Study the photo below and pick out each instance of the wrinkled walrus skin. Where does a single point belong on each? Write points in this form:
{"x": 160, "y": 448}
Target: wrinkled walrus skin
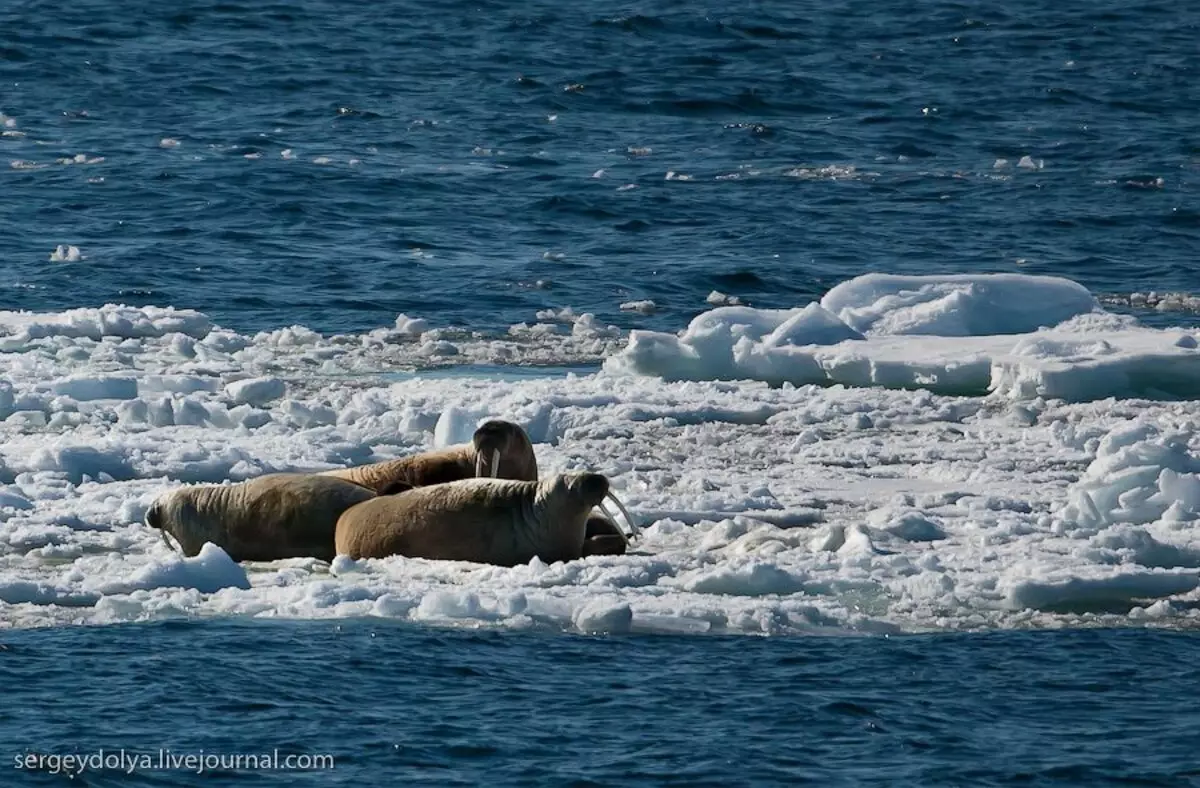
{"x": 487, "y": 521}
{"x": 280, "y": 515}
{"x": 517, "y": 461}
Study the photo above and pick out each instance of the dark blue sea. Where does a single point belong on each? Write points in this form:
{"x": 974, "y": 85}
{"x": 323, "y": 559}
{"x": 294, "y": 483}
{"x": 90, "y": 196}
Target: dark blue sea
{"x": 398, "y": 705}
{"x": 334, "y": 164}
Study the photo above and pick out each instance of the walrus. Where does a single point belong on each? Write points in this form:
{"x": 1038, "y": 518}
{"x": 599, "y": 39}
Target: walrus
{"x": 487, "y": 521}
{"x": 499, "y": 449}
{"x": 280, "y": 515}
{"x": 602, "y": 536}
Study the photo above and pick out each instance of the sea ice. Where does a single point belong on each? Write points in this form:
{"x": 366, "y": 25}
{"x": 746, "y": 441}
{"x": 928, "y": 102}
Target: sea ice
{"x": 975, "y": 453}
{"x": 1020, "y": 336}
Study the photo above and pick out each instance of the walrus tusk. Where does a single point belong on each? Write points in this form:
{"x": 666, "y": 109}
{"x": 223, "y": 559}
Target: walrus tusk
{"x": 633, "y": 529}
{"x": 495, "y": 464}
{"x": 167, "y": 542}
{"x": 612, "y": 519}
{"x": 628, "y": 517}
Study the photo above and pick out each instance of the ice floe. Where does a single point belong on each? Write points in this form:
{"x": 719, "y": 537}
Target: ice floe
{"x": 1020, "y": 336}
{"x": 907, "y": 454}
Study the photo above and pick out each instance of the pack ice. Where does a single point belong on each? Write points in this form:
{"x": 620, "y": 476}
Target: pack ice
{"x": 907, "y": 454}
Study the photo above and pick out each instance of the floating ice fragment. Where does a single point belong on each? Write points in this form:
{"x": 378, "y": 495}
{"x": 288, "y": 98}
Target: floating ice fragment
{"x": 65, "y": 253}
{"x": 80, "y": 158}
{"x": 411, "y": 326}
{"x": 717, "y": 298}
{"x": 598, "y": 616}
{"x": 564, "y": 315}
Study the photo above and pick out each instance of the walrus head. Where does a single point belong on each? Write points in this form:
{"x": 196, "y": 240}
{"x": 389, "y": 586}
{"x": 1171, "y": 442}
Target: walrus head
{"x": 590, "y": 487}
{"x": 185, "y": 515}
{"x": 586, "y": 489}
{"x": 573, "y": 494}
{"x": 594, "y": 487}
{"x": 503, "y": 450}
{"x": 154, "y": 515}
{"x": 556, "y": 518}
{"x": 155, "y": 519}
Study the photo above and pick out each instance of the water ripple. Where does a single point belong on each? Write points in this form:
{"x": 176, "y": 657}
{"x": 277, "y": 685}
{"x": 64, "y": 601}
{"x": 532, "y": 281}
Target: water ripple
{"x": 1072, "y": 707}
{"x": 232, "y": 143}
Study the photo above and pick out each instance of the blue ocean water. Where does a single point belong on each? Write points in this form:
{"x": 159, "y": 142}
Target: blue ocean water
{"x": 333, "y": 164}
{"x": 399, "y": 705}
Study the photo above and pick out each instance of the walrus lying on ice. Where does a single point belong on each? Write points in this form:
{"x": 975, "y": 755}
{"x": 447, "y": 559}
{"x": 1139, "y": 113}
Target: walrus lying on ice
{"x": 280, "y": 515}
{"x": 499, "y": 449}
{"x": 487, "y": 521}
{"x": 290, "y": 515}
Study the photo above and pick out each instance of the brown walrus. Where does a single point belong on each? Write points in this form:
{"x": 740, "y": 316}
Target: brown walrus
{"x": 488, "y": 521}
{"x": 499, "y": 449}
{"x": 603, "y": 537}
{"x": 280, "y": 515}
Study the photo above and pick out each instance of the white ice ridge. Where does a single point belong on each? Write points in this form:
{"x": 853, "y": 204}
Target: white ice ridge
{"x": 1018, "y": 336}
{"x": 762, "y": 509}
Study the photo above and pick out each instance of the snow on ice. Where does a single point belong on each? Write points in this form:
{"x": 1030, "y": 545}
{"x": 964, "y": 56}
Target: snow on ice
{"x": 906, "y": 454}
